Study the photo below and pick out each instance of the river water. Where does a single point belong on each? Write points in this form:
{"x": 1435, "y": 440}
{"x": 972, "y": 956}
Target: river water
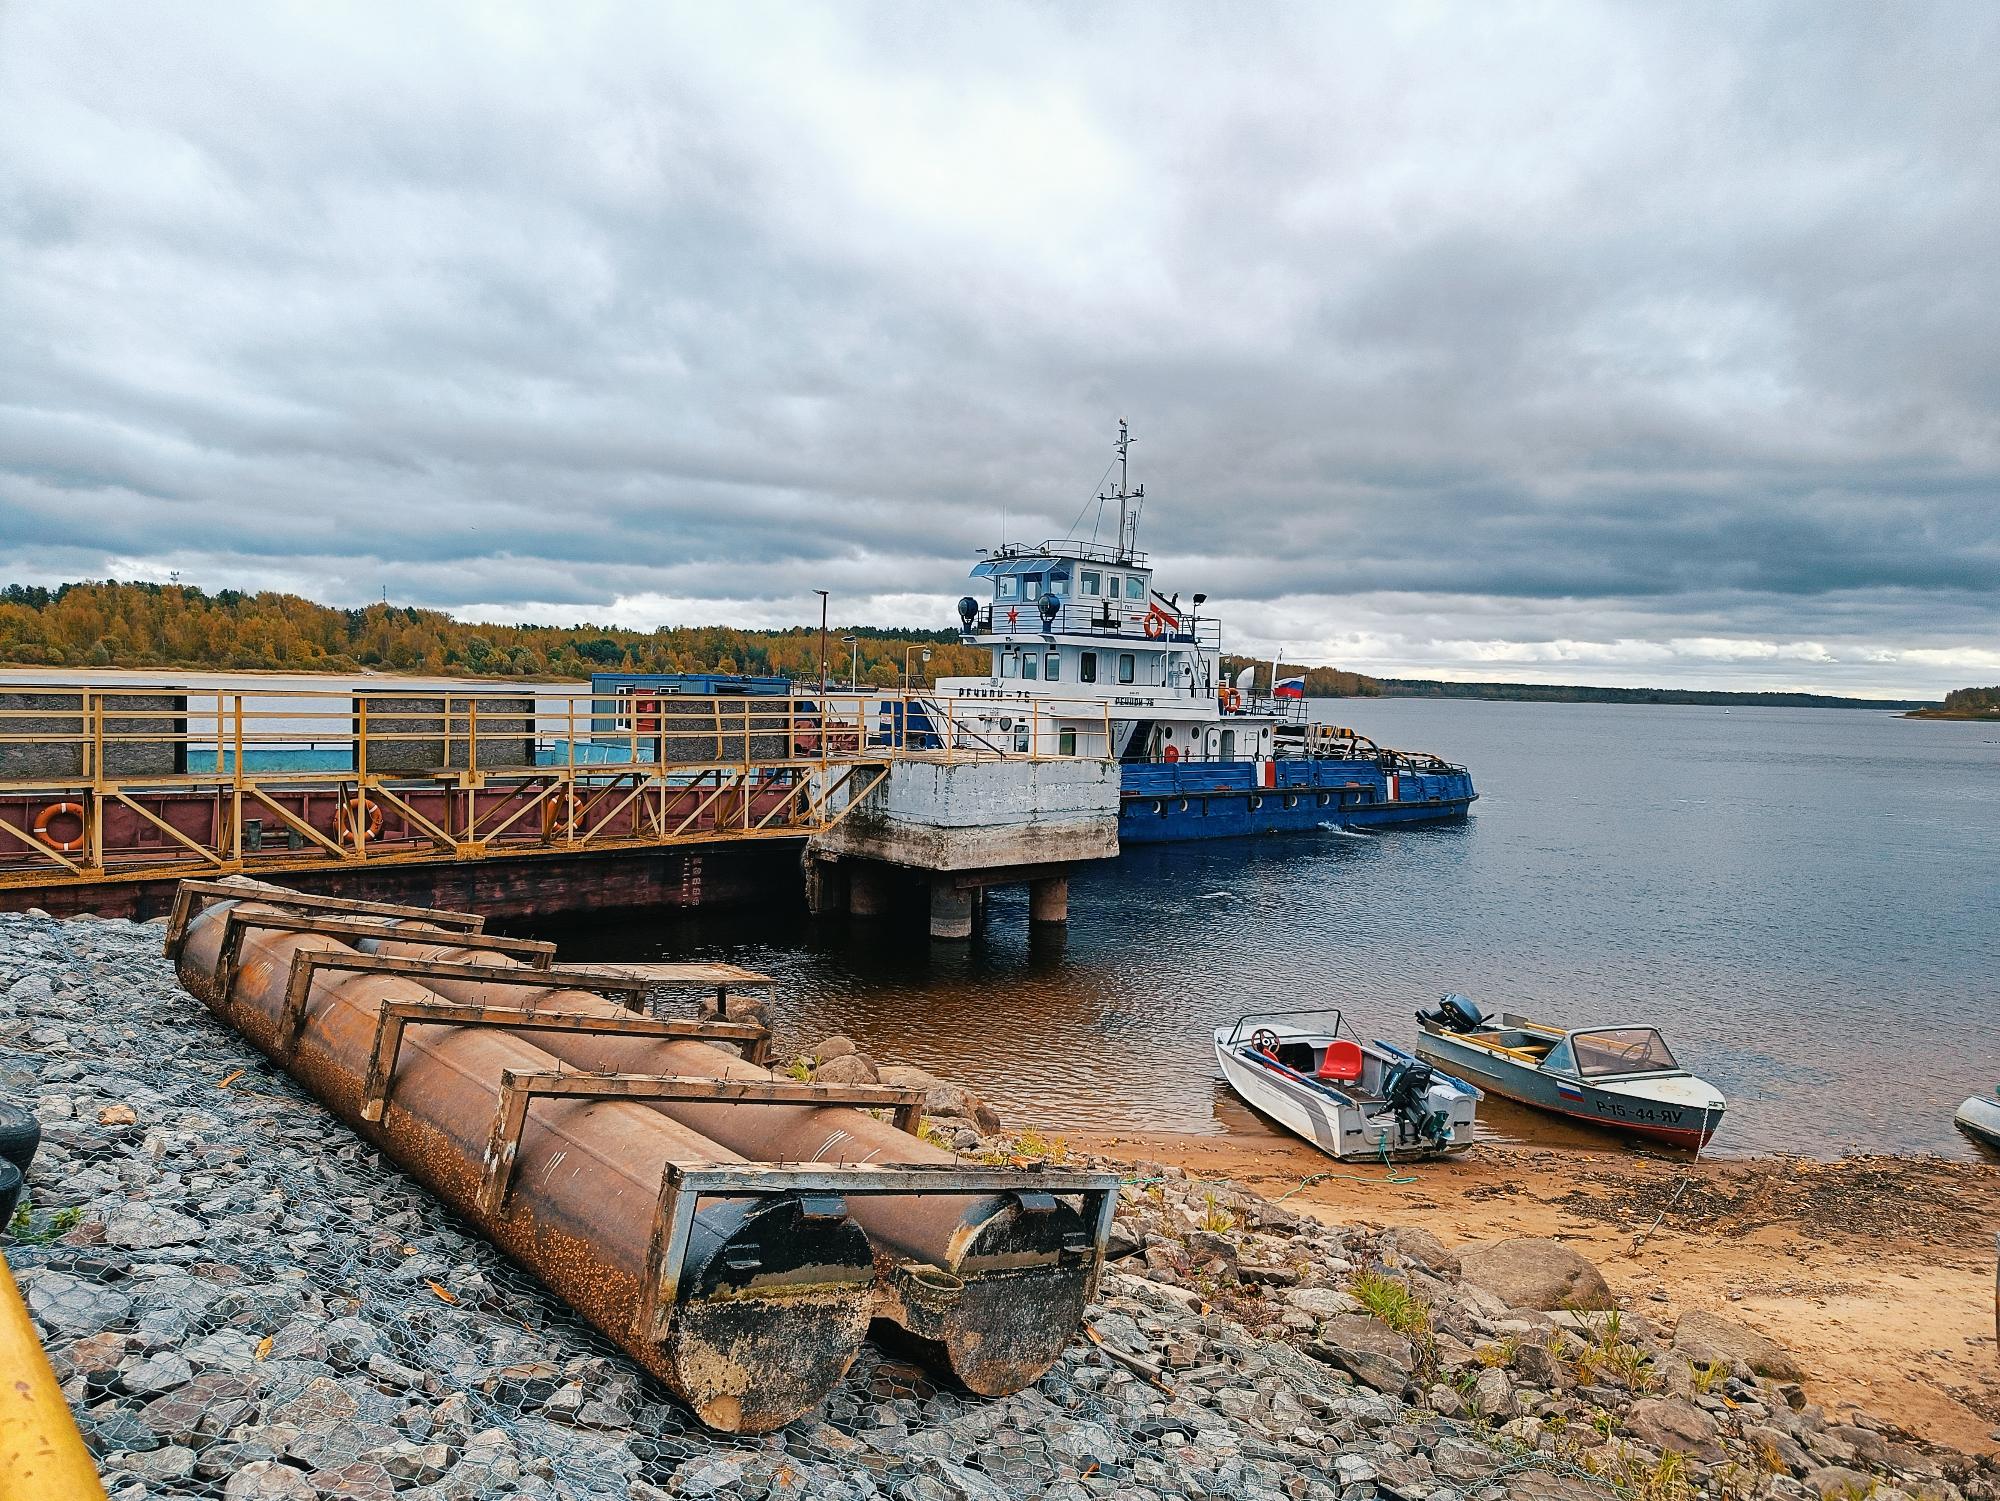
{"x": 1807, "y": 902}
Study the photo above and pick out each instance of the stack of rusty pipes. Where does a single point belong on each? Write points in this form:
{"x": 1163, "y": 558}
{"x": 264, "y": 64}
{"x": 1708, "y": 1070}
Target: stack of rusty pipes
{"x": 563, "y": 1126}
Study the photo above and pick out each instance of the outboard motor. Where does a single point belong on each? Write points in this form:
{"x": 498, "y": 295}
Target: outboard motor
{"x": 1454, "y": 1013}
{"x": 1406, "y": 1088}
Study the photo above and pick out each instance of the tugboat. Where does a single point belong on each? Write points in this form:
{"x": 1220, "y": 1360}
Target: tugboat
{"x": 1090, "y": 658}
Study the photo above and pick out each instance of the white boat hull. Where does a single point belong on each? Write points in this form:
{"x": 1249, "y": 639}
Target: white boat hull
{"x": 1979, "y": 1117}
{"x": 1338, "y": 1127}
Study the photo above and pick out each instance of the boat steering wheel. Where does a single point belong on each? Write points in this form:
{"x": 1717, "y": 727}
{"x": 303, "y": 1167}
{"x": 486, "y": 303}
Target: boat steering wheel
{"x": 1264, "y": 1040}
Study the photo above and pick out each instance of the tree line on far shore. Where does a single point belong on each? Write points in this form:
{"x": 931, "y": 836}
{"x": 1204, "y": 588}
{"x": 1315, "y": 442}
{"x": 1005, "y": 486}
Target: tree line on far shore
{"x": 1972, "y": 701}
{"x": 113, "y": 624}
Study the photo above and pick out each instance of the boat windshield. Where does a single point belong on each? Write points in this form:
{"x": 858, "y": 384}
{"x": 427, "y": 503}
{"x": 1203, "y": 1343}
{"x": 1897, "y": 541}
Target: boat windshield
{"x": 1621, "y": 1050}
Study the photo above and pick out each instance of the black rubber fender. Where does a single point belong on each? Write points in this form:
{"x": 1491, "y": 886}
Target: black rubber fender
{"x": 10, "y": 1191}
{"x": 20, "y": 1134}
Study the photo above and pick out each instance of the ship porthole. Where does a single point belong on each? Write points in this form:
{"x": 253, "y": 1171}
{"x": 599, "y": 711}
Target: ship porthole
{"x": 1256, "y": 803}
{"x": 1159, "y": 807}
{"x": 1325, "y": 798}
{"x": 1291, "y": 800}
{"x": 1183, "y": 806}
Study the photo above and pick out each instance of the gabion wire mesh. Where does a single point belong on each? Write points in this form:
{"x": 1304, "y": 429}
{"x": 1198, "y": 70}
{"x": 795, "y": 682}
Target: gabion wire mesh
{"x": 244, "y": 1301}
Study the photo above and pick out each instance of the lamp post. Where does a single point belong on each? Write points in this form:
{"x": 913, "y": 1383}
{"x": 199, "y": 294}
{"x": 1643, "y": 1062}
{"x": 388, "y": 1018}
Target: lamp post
{"x": 822, "y": 641}
{"x": 906, "y": 664}
{"x": 853, "y": 660}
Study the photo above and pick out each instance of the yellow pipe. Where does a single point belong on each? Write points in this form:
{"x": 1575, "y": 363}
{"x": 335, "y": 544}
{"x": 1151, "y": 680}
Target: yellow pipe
{"x": 42, "y": 1457}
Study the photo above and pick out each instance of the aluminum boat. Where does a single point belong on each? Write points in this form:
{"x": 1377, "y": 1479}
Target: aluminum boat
{"x": 1979, "y": 1118}
{"x": 1346, "y": 1097}
{"x": 1622, "y": 1077}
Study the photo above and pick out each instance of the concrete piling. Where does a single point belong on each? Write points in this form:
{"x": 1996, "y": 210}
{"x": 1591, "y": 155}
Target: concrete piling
{"x": 951, "y": 909}
{"x": 1048, "y": 900}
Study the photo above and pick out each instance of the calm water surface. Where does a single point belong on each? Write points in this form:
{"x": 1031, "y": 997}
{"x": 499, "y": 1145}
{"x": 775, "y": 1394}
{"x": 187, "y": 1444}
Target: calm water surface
{"x": 1806, "y": 901}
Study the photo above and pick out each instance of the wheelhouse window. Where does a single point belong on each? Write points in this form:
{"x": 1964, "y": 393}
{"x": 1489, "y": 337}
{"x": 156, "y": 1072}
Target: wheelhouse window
{"x": 1028, "y": 665}
{"x": 1093, "y": 582}
{"x": 1128, "y": 667}
{"x": 1087, "y": 667}
{"x": 1008, "y": 585}
{"x": 1111, "y": 585}
{"x": 1058, "y": 584}
{"x": 1622, "y": 1050}
{"x": 1135, "y": 587}
{"x": 1031, "y": 586}
{"x": 1052, "y": 667}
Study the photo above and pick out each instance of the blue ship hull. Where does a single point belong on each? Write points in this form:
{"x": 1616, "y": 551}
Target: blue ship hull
{"x": 1168, "y": 802}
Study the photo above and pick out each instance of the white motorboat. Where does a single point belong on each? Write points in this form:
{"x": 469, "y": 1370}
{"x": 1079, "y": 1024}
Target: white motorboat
{"x": 1979, "y": 1118}
{"x": 1346, "y": 1097}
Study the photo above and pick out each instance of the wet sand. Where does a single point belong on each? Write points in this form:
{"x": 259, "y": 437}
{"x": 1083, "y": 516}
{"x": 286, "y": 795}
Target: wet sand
{"x": 1877, "y": 1272}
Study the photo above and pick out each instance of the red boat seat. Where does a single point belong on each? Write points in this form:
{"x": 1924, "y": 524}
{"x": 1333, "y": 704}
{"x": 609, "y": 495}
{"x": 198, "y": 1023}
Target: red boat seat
{"x": 1342, "y": 1063}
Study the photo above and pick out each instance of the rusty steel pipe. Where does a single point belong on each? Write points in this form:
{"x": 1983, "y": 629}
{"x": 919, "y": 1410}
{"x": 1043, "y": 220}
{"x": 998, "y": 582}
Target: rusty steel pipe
{"x": 775, "y": 1294}
{"x": 993, "y": 1285}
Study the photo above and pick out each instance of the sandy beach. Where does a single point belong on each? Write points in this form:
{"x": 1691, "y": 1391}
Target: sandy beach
{"x": 1877, "y": 1272}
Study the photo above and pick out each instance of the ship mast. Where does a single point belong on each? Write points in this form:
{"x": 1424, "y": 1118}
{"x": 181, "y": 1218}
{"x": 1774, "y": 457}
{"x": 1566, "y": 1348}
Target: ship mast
{"x": 1127, "y": 524}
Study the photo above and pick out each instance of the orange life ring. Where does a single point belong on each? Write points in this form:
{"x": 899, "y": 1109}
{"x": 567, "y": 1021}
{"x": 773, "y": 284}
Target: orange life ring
{"x": 50, "y": 814}
{"x": 348, "y": 815}
{"x": 1155, "y": 627}
{"x": 563, "y": 813}
{"x": 1171, "y": 753}
{"x": 1232, "y": 701}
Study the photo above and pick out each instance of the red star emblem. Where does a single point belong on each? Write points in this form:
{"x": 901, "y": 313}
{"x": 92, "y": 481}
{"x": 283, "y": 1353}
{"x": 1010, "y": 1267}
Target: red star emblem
{"x": 1013, "y": 617}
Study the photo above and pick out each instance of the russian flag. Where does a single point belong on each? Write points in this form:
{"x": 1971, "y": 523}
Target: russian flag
{"x": 1290, "y": 688}
{"x": 1569, "y": 1092}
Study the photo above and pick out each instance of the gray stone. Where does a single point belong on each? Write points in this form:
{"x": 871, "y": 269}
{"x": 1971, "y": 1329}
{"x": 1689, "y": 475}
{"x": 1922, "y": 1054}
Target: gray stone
{"x": 156, "y": 1374}
{"x": 171, "y": 1462}
{"x": 1425, "y": 1250}
{"x": 145, "y": 1227}
{"x": 1531, "y": 1273}
{"x": 1665, "y": 1423}
{"x": 359, "y": 1481}
{"x": 1368, "y": 1349}
{"x": 266, "y": 1480}
{"x": 71, "y": 1305}
{"x": 1493, "y": 1395}
{"x": 848, "y": 1068}
{"x": 1709, "y": 1338}
{"x": 1322, "y": 1302}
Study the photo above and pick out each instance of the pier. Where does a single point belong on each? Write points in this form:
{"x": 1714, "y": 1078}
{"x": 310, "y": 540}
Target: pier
{"x": 520, "y": 800}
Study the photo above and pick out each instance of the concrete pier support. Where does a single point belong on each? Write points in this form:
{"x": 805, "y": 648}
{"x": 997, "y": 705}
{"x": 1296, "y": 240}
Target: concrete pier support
{"x": 1048, "y": 900}
{"x": 951, "y": 909}
{"x": 823, "y": 886}
{"x": 867, "y": 889}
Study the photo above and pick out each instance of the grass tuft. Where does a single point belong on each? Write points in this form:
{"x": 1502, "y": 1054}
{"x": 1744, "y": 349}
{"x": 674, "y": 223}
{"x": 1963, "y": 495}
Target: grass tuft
{"x": 1392, "y": 1301}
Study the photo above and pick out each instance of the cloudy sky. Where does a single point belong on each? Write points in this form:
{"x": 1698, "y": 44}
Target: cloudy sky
{"x": 1621, "y": 343}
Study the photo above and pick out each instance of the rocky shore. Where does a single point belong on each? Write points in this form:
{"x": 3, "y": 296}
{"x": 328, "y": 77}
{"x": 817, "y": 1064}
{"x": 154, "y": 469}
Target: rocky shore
{"x": 243, "y": 1301}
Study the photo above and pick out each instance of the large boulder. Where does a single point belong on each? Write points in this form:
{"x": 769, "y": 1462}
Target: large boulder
{"x": 847, "y": 1068}
{"x": 1367, "y": 1349}
{"x": 1665, "y": 1423}
{"x": 1708, "y": 1338}
{"x": 941, "y": 1098}
{"x": 1421, "y": 1248}
{"x": 1531, "y": 1273}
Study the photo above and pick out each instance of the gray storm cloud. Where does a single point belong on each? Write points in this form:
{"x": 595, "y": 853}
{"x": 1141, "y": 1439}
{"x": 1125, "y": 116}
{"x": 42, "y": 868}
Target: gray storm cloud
{"x": 1601, "y": 343}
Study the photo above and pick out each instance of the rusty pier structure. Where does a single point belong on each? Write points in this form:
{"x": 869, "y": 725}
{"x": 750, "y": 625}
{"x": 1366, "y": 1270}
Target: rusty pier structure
{"x": 529, "y": 802}
{"x": 735, "y": 1232}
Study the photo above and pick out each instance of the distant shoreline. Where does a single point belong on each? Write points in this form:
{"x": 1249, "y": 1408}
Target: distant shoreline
{"x": 1984, "y": 716}
{"x": 1563, "y": 693}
